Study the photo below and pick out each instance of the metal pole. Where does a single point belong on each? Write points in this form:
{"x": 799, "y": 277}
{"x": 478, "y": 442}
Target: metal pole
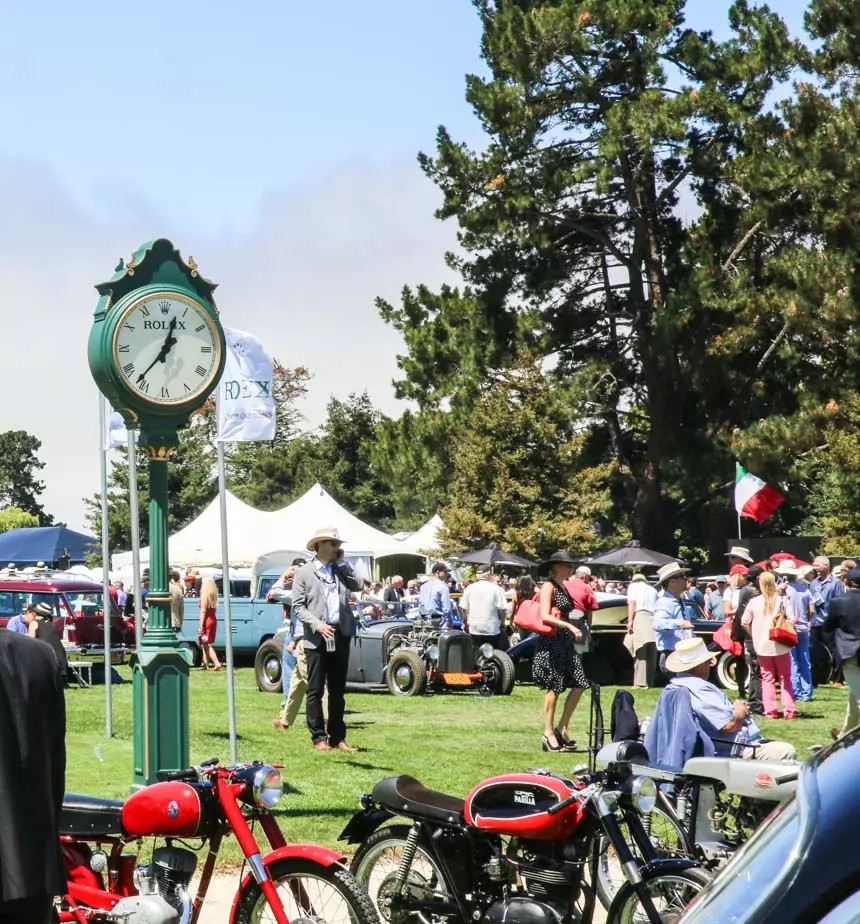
{"x": 225, "y": 587}
{"x": 739, "y": 526}
{"x": 106, "y": 598}
{"x": 135, "y": 536}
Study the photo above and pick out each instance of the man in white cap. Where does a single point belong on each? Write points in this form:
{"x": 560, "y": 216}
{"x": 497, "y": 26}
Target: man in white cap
{"x": 321, "y": 601}
{"x": 729, "y": 723}
{"x": 670, "y": 618}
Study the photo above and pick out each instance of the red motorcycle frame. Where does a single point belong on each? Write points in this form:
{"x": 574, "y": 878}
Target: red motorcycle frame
{"x": 207, "y": 803}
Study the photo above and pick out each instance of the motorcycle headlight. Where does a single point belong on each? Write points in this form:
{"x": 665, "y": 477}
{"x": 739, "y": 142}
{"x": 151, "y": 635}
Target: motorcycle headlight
{"x": 643, "y": 794}
{"x": 433, "y": 652}
{"x": 268, "y": 787}
{"x": 486, "y": 650}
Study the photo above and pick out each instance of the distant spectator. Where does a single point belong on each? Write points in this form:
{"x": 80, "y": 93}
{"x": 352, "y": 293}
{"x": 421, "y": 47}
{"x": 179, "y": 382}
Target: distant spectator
{"x": 20, "y": 624}
{"x": 177, "y": 602}
{"x": 714, "y": 605}
{"x": 42, "y": 627}
{"x": 695, "y": 596}
{"x": 208, "y": 623}
{"x": 484, "y": 608}
{"x": 825, "y": 588}
{"x": 641, "y": 600}
{"x": 395, "y": 593}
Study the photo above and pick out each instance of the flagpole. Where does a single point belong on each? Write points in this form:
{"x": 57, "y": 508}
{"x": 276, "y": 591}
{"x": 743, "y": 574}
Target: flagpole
{"x": 739, "y": 526}
{"x": 225, "y": 587}
{"x": 134, "y": 512}
{"x": 106, "y": 598}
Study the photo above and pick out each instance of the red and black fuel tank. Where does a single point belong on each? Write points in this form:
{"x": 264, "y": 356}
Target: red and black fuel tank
{"x": 170, "y": 809}
{"x": 518, "y": 804}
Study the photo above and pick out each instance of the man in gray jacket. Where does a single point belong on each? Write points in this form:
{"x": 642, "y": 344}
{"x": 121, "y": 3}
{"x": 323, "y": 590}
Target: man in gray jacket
{"x": 321, "y": 601}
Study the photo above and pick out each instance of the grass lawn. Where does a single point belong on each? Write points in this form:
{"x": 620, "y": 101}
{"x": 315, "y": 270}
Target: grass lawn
{"x": 449, "y": 742}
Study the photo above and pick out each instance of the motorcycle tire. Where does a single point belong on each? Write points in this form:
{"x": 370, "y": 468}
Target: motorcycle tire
{"x": 377, "y": 860}
{"x": 668, "y": 837}
{"x": 308, "y": 891}
{"x": 671, "y": 890}
{"x": 405, "y": 674}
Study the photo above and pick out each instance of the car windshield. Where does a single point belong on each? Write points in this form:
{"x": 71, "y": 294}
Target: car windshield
{"x": 87, "y": 603}
{"x": 757, "y": 868}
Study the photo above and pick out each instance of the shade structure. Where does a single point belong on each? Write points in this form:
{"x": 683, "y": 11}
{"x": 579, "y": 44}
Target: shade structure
{"x": 632, "y": 554}
{"x": 29, "y": 545}
{"x": 493, "y": 555}
{"x": 785, "y": 556}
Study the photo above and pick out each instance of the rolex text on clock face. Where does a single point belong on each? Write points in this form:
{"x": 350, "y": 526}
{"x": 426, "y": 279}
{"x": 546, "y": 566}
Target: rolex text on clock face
{"x": 166, "y": 348}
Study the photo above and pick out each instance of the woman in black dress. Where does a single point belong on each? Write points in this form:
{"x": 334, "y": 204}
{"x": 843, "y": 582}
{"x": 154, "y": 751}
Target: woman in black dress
{"x": 556, "y": 665}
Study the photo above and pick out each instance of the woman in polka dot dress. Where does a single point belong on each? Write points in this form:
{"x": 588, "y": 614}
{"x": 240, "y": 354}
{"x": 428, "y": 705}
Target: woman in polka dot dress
{"x": 556, "y": 665}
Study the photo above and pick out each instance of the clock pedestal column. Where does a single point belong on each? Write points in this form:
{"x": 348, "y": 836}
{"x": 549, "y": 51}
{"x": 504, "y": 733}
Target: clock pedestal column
{"x": 156, "y": 351}
{"x": 160, "y": 670}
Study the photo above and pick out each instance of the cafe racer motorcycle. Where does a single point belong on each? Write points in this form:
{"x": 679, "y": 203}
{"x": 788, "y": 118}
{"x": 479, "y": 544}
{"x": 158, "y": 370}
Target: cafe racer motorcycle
{"x": 521, "y": 848}
{"x": 107, "y": 882}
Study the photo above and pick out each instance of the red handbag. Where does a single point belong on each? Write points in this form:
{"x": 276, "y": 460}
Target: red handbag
{"x": 723, "y": 638}
{"x": 528, "y": 618}
{"x": 782, "y": 631}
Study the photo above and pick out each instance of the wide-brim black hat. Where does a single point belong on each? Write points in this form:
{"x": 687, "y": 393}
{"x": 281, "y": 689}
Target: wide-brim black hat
{"x": 562, "y": 557}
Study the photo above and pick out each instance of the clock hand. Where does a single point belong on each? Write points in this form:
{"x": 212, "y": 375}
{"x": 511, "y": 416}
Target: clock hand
{"x": 169, "y": 342}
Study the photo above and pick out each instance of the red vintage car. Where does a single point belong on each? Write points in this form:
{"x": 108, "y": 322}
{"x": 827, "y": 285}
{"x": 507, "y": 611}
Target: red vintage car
{"x": 76, "y": 602}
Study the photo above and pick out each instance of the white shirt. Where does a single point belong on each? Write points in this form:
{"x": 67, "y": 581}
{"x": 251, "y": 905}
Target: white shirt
{"x": 643, "y": 595}
{"x": 329, "y": 582}
{"x": 485, "y": 603}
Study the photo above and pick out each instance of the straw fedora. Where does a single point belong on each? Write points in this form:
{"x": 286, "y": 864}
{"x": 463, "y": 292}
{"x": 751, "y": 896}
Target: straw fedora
{"x": 786, "y": 569}
{"x": 667, "y": 572}
{"x": 562, "y": 557}
{"x": 327, "y": 532}
{"x": 738, "y": 551}
{"x": 688, "y": 653}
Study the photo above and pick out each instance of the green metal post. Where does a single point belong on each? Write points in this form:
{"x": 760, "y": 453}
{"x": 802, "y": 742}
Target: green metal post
{"x": 160, "y": 673}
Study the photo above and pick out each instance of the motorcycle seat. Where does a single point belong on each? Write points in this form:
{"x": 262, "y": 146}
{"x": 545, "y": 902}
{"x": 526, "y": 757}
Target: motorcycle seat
{"x": 407, "y": 796}
{"x": 89, "y": 816}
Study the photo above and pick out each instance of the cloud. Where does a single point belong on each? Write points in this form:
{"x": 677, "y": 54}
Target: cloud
{"x": 303, "y": 281}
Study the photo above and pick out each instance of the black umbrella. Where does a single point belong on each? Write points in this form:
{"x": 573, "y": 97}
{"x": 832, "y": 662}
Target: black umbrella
{"x": 493, "y": 555}
{"x": 631, "y": 553}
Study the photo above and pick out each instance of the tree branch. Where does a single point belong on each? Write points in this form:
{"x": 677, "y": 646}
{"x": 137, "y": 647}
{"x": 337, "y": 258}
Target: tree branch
{"x": 744, "y": 241}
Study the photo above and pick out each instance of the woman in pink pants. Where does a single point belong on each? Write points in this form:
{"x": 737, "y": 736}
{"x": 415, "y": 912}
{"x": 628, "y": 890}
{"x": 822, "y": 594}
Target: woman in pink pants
{"x": 774, "y": 658}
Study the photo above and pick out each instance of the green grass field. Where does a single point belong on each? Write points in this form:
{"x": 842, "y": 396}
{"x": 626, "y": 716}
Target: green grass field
{"x": 449, "y": 742}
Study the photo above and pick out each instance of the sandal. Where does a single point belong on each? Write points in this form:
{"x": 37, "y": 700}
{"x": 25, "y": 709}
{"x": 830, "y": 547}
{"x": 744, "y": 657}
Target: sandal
{"x": 548, "y": 746}
{"x": 567, "y": 743}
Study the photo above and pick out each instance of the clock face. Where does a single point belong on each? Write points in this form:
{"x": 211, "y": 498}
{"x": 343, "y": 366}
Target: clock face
{"x": 166, "y": 348}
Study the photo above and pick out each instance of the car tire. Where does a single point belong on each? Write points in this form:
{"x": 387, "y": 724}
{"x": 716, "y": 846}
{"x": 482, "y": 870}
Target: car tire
{"x": 726, "y": 670}
{"x": 504, "y": 674}
{"x": 196, "y": 654}
{"x": 405, "y": 674}
{"x": 268, "y": 667}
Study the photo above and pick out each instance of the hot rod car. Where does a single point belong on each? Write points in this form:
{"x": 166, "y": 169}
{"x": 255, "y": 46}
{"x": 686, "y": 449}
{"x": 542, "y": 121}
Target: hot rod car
{"x": 405, "y": 656}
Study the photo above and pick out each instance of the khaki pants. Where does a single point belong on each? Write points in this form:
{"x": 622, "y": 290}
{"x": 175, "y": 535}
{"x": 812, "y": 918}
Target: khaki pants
{"x": 298, "y": 686}
{"x": 771, "y": 750}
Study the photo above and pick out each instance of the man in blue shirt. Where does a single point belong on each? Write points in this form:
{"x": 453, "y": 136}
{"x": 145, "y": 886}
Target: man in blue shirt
{"x": 689, "y": 666}
{"x": 21, "y": 622}
{"x": 434, "y": 599}
{"x": 824, "y": 588}
{"x": 670, "y": 619}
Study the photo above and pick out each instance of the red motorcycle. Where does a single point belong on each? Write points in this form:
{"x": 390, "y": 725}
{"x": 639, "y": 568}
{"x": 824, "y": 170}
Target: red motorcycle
{"x": 101, "y": 842}
{"x": 521, "y": 848}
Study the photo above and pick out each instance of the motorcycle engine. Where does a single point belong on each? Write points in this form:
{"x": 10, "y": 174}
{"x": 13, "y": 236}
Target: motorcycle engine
{"x": 172, "y": 869}
{"x": 162, "y": 898}
{"x": 520, "y": 910}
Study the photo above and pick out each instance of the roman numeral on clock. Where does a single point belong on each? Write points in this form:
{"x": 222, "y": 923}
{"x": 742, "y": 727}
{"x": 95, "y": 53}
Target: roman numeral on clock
{"x": 205, "y": 349}
{"x": 198, "y": 329}
{"x": 164, "y": 392}
{"x": 123, "y": 348}
{"x": 143, "y": 385}
{"x": 128, "y": 368}
{"x": 200, "y": 370}
{"x": 144, "y": 311}
{"x": 185, "y": 386}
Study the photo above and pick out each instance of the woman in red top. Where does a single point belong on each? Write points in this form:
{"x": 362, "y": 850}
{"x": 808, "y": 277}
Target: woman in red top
{"x": 208, "y": 622}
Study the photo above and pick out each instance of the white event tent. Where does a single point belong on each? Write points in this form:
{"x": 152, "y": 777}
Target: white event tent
{"x": 423, "y": 540}
{"x": 252, "y": 533}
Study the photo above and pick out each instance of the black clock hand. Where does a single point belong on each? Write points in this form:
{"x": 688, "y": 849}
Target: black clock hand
{"x": 166, "y": 347}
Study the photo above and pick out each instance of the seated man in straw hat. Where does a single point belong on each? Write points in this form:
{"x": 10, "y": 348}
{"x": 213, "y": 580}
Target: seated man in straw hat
{"x": 728, "y": 724}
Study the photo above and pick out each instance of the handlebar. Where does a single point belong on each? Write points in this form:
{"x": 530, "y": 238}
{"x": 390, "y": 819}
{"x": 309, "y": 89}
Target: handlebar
{"x": 582, "y": 795}
{"x": 190, "y": 773}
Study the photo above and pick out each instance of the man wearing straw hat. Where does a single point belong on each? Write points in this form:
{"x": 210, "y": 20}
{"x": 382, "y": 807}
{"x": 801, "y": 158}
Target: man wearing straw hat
{"x": 321, "y": 601}
{"x": 728, "y": 723}
{"x": 670, "y": 620}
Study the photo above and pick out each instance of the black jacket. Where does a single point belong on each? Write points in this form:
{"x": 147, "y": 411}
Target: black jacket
{"x": 748, "y": 591}
{"x": 32, "y": 769}
{"x": 393, "y": 594}
{"x": 843, "y": 619}
{"x": 46, "y": 632}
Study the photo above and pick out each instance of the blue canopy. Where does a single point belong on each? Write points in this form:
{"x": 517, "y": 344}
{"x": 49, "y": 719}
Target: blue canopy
{"x": 31, "y": 544}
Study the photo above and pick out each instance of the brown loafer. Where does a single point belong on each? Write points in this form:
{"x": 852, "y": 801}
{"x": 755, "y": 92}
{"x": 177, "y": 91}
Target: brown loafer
{"x": 322, "y": 746}
{"x": 343, "y": 746}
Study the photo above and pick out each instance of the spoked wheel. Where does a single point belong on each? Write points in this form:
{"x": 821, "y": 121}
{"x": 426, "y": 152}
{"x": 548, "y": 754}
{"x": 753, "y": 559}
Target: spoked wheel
{"x": 499, "y": 674}
{"x": 670, "y": 893}
{"x": 311, "y": 893}
{"x": 667, "y": 836}
{"x": 375, "y": 867}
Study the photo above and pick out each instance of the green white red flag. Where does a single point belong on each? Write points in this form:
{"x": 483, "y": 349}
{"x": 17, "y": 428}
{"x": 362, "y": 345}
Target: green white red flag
{"x": 754, "y": 498}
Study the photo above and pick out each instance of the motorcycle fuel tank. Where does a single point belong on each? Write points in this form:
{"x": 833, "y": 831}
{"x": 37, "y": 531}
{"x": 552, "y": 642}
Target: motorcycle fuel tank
{"x": 169, "y": 809}
{"x": 518, "y": 804}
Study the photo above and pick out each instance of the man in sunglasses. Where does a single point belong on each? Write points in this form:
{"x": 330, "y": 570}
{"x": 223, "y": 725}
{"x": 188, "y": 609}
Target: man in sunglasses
{"x": 321, "y": 591}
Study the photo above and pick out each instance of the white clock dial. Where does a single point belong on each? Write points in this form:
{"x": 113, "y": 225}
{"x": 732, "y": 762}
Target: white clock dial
{"x": 166, "y": 348}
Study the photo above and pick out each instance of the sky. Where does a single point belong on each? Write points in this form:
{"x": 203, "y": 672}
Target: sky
{"x": 275, "y": 142}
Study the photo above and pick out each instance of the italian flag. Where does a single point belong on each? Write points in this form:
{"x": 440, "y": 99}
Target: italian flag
{"x": 753, "y": 498}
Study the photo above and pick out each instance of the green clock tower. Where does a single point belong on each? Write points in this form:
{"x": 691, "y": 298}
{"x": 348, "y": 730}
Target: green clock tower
{"x": 156, "y": 351}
